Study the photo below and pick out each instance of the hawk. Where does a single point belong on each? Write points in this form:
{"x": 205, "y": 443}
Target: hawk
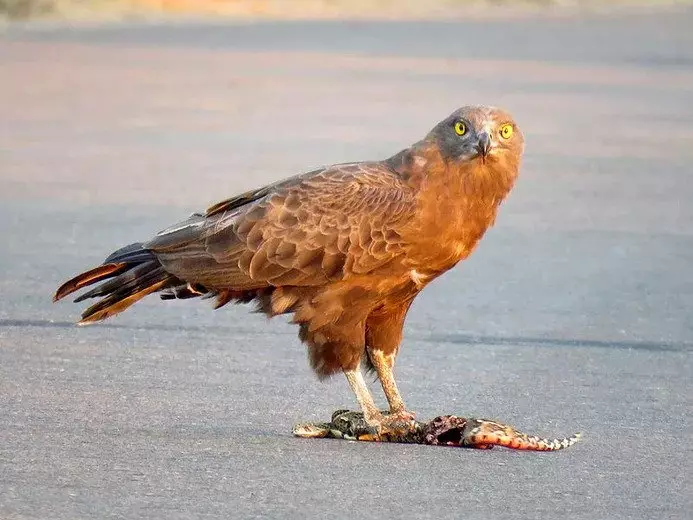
{"x": 345, "y": 249}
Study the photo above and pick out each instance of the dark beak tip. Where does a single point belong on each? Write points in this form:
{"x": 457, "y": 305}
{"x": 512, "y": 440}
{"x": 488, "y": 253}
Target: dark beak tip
{"x": 483, "y": 146}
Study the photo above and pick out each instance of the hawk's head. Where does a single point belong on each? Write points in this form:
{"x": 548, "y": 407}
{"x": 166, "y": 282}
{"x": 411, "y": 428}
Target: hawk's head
{"x": 479, "y": 133}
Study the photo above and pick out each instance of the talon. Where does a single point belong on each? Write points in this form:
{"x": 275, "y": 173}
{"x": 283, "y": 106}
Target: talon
{"x": 394, "y": 425}
{"x": 404, "y": 415}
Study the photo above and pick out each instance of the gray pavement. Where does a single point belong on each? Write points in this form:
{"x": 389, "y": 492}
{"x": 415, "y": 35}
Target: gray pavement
{"x": 573, "y": 315}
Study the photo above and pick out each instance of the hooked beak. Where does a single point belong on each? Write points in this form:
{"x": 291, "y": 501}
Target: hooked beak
{"x": 483, "y": 145}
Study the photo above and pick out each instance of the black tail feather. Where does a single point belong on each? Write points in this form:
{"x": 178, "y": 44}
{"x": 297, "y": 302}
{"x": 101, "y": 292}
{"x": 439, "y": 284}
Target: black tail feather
{"x": 132, "y": 254}
{"x": 186, "y": 291}
{"x": 122, "y": 281}
{"x": 132, "y": 273}
{"x": 90, "y": 277}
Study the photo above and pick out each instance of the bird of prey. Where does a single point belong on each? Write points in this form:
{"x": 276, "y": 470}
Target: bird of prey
{"x": 345, "y": 249}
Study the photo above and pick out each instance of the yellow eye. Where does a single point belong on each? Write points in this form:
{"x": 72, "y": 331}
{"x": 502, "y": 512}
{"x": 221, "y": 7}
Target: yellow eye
{"x": 460, "y": 128}
{"x": 506, "y": 131}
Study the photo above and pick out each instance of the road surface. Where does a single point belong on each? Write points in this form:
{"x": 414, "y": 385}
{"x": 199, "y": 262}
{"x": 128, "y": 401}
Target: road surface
{"x": 573, "y": 315}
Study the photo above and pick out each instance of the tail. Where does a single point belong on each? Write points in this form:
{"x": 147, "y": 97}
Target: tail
{"x": 132, "y": 273}
{"x": 482, "y": 433}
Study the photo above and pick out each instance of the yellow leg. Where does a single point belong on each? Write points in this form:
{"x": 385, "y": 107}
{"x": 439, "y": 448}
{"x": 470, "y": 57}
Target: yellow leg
{"x": 370, "y": 412}
{"x": 384, "y": 367}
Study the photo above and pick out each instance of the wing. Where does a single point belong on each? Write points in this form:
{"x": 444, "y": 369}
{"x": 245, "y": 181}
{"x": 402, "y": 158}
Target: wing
{"x": 325, "y": 225}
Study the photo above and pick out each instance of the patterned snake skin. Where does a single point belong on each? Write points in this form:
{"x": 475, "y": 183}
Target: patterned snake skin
{"x": 445, "y": 430}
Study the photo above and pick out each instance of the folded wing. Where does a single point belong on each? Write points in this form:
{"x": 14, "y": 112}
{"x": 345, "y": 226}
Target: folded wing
{"x": 323, "y": 226}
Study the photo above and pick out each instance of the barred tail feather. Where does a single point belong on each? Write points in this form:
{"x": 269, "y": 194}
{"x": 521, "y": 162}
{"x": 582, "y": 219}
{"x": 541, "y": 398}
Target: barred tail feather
{"x": 131, "y": 273}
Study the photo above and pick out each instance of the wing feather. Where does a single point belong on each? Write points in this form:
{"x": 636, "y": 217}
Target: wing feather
{"x": 325, "y": 225}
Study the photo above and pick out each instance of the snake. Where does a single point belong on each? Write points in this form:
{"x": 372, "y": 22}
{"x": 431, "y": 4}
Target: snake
{"x": 444, "y": 430}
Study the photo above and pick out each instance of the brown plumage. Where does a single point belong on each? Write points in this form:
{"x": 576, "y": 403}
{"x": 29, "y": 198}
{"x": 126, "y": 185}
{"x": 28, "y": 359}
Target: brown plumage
{"x": 345, "y": 248}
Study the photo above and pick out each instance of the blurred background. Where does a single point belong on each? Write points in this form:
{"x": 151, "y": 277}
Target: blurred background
{"x": 118, "y": 118}
{"x": 297, "y": 9}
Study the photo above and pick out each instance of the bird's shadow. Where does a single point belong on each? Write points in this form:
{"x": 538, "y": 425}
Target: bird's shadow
{"x": 521, "y": 341}
{"x": 156, "y": 327}
{"x": 461, "y": 339}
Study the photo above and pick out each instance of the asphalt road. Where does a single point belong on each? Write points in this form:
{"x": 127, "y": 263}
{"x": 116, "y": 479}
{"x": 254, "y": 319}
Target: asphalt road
{"x": 573, "y": 315}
